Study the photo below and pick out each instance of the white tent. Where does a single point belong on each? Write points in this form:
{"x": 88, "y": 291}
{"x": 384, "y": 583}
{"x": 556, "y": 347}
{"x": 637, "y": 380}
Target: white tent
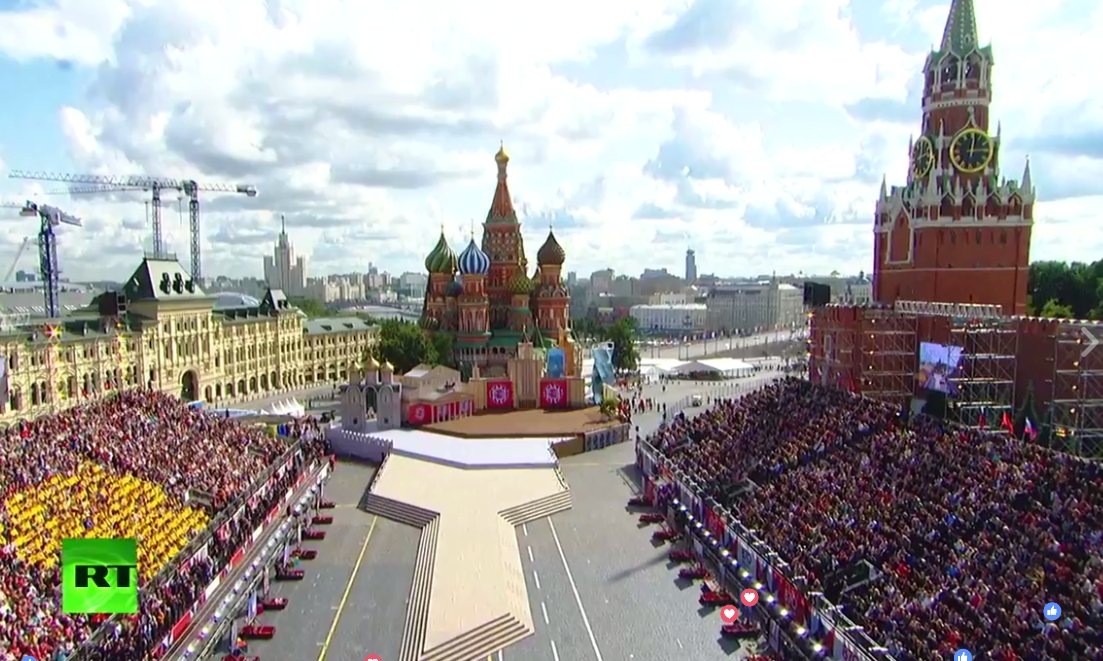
{"x": 729, "y": 367}
{"x": 290, "y": 407}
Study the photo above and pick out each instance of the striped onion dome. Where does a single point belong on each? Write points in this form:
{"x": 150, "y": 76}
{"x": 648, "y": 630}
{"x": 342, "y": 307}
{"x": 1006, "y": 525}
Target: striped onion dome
{"x": 442, "y": 259}
{"x": 473, "y": 261}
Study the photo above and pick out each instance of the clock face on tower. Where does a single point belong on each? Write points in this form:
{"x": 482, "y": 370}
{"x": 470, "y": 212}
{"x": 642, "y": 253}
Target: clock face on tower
{"x": 971, "y": 150}
{"x": 922, "y": 157}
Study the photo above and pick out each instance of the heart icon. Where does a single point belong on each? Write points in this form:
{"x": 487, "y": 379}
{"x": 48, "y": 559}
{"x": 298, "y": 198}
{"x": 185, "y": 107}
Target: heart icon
{"x": 749, "y": 597}
{"x": 729, "y": 614}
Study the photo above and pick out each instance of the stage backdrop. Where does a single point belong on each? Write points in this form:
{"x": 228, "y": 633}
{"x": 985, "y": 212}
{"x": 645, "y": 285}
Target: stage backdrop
{"x": 553, "y": 393}
{"x": 419, "y": 414}
{"x": 499, "y": 394}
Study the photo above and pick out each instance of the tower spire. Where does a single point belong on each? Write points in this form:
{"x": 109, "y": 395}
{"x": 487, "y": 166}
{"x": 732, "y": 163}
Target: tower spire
{"x": 501, "y": 207}
{"x": 960, "y": 34}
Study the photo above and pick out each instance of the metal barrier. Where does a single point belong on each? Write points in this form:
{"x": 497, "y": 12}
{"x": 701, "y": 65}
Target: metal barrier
{"x": 858, "y": 643}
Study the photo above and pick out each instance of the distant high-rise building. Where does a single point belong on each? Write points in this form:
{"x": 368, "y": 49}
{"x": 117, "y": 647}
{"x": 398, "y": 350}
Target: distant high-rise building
{"x": 283, "y": 270}
{"x": 691, "y": 265}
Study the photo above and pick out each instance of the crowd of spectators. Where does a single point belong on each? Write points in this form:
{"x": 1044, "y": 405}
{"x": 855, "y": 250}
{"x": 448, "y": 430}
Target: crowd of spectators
{"x": 970, "y": 532}
{"x": 192, "y": 457}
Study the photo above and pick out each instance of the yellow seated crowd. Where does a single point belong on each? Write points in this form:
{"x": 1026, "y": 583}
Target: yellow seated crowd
{"x": 95, "y": 503}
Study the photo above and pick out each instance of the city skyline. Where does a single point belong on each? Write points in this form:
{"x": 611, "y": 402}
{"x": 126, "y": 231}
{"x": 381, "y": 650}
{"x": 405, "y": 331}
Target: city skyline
{"x": 637, "y": 129}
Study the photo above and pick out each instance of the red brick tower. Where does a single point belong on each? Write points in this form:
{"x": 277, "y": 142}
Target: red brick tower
{"x": 957, "y": 232}
{"x": 502, "y": 242}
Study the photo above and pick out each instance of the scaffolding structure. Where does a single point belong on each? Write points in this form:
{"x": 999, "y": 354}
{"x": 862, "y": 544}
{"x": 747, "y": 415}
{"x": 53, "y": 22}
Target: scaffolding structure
{"x": 985, "y": 381}
{"x": 888, "y": 345}
{"x": 1076, "y": 410}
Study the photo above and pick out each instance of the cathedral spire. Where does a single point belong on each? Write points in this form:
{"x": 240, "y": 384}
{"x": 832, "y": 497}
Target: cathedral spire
{"x": 501, "y": 207}
{"x": 960, "y": 35}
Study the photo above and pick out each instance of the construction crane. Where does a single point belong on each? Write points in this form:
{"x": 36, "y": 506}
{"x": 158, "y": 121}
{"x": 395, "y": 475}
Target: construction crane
{"x": 49, "y": 217}
{"x": 189, "y": 188}
{"x": 18, "y": 256}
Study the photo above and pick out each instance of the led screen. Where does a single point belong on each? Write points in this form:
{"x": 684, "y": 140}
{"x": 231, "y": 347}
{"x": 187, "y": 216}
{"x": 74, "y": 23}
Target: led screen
{"x": 939, "y": 367}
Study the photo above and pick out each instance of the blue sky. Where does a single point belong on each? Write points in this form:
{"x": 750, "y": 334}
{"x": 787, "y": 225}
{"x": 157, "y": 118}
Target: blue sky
{"x": 756, "y": 133}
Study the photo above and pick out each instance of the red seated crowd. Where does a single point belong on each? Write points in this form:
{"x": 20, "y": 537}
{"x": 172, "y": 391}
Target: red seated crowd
{"x": 154, "y": 437}
{"x": 970, "y": 532}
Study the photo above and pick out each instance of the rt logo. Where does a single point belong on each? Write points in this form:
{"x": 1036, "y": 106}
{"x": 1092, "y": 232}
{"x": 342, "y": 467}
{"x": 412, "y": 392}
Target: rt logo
{"x": 99, "y": 576}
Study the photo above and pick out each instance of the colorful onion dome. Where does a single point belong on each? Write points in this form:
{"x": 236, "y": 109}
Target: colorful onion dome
{"x": 442, "y": 259}
{"x": 473, "y": 261}
{"x": 454, "y": 289}
{"x": 536, "y": 278}
{"x": 502, "y": 156}
{"x": 551, "y": 253}
{"x": 520, "y": 283}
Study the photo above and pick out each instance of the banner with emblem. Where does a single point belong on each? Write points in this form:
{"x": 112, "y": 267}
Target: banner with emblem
{"x": 553, "y": 393}
{"x": 499, "y": 394}
{"x": 419, "y": 414}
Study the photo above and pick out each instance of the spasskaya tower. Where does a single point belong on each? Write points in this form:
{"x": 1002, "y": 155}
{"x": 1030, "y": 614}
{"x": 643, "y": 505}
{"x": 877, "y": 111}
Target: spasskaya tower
{"x": 957, "y": 232}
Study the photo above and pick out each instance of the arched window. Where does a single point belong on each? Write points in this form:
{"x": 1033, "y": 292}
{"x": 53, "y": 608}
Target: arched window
{"x": 947, "y": 209}
{"x": 972, "y": 68}
{"x": 992, "y": 209}
{"x": 949, "y": 72}
{"x": 968, "y": 207}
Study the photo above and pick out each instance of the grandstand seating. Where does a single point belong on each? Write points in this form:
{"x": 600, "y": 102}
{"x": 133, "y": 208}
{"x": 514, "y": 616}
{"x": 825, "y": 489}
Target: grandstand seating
{"x": 123, "y": 467}
{"x": 973, "y": 531}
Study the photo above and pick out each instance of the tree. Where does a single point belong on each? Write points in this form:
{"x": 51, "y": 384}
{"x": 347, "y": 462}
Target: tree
{"x": 311, "y": 307}
{"x": 404, "y": 345}
{"x": 623, "y": 335}
{"x": 586, "y": 328}
{"x": 1074, "y": 289}
{"x": 442, "y": 349}
{"x": 1055, "y": 310}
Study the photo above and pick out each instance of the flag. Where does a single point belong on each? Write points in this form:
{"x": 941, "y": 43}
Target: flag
{"x": 982, "y": 419}
{"x": 1030, "y": 430}
{"x": 1007, "y": 423}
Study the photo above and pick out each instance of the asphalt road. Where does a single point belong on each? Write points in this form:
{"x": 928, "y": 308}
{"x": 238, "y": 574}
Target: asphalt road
{"x": 324, "y": 611}
{"x": 598, "y": 589}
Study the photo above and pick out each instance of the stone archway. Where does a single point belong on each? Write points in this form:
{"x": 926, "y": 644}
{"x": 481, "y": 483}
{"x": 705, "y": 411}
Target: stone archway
{"x": 189, "y": 386}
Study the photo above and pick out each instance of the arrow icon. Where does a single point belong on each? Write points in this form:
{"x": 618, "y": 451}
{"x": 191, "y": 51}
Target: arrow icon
{"x": 1093, "y": 341}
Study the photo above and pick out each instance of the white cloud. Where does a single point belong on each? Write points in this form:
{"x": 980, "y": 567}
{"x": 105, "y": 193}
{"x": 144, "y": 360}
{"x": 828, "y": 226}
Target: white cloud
{"x": 715, "y": 125}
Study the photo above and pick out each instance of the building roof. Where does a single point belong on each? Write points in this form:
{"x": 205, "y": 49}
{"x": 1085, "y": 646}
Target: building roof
{"x": 685, "y": 307}
{"x": 323, "y": 325}
{"x": 162, "y": 280}
{"x": 232, "y": 299}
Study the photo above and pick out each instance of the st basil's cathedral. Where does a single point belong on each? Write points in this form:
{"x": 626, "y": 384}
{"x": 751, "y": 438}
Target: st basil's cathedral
{"x": 485, "y": 297}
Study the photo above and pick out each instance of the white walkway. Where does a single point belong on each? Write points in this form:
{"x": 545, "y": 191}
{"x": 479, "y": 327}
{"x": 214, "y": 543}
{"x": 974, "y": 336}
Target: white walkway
{"x": 472, "y": 452}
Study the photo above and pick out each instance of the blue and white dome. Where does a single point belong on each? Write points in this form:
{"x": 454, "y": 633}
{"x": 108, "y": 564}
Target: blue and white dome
{"x": 473, "y": 261}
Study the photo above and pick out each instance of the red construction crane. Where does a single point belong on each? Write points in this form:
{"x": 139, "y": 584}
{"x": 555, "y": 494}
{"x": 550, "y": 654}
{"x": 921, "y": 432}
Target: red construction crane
{"x": 88, "y": 183}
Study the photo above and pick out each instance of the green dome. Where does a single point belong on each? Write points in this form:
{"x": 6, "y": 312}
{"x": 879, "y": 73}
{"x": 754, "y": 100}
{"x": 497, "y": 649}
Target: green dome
{"x": 442, "y": 259}
{"x": 520, "y": 283}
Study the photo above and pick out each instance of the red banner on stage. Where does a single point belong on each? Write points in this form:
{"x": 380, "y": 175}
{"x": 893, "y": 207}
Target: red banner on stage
{"x": 499, "y": 394}
{"x": 419, "y": 414}
{"x": 553, "y": 393}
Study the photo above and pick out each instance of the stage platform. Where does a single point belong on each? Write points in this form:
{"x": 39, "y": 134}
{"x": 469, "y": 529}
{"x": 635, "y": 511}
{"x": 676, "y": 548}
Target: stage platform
{"x": 493, "y": 452}
{"x": 526, "y": 424}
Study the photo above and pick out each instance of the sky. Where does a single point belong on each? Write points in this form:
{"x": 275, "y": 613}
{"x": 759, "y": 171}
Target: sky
{"x": 755, "y": 133}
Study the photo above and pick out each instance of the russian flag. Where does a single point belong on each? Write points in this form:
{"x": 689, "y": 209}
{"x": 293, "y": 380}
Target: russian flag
{"x": 1030, "y": 430}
